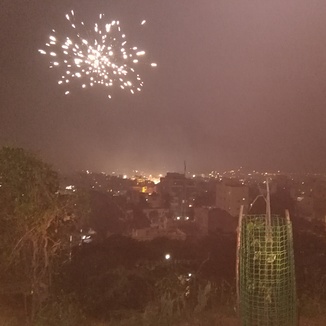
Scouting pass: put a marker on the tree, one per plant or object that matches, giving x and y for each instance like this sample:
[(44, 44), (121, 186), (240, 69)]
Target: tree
[(105, 214), (30, 215)]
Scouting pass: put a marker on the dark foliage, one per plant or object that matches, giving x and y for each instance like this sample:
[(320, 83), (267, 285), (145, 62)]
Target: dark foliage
[(123, 274)]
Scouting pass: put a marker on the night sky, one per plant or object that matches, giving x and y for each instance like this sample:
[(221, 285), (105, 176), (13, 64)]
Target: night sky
[(238, 83)]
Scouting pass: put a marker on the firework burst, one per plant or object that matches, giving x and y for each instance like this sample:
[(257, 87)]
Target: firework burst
[(93, 57)]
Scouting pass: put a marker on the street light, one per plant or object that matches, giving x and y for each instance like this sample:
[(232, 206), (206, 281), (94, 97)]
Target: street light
[(167, 256)]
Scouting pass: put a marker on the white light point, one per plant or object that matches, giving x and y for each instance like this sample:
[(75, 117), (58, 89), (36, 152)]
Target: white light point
[(78, 61)]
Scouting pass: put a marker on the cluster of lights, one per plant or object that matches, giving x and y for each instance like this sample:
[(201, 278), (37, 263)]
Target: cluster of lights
[(183, 218), (97, 57)]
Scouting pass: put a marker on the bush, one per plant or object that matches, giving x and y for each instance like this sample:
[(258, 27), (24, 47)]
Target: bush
[(63, 311)]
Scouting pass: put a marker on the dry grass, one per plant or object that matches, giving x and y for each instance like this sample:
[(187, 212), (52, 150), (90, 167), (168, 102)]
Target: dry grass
[(11, 318), (15, 317), (220, 320), (313, 321)]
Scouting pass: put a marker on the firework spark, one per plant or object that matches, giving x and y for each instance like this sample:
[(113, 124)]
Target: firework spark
[(96, 57)]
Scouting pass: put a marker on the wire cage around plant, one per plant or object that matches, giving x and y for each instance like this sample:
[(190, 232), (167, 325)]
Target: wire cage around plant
[(267, 290)]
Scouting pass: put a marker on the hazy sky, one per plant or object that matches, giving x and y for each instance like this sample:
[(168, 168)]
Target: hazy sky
[(238, 83)]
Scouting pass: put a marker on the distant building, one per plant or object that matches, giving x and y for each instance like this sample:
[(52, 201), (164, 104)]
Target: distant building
[(154, 200), (179, 189), (210, 220), (147, 234), (304, 207), (279, 182), (157, 217), (160, 225), (201, 219), (319, 198), (221, 221), (177, 185), (134, 196), (230, 195), (310, 199)]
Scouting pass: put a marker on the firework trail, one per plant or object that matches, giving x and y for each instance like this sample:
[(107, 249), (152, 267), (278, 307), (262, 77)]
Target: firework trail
[(97, 57)]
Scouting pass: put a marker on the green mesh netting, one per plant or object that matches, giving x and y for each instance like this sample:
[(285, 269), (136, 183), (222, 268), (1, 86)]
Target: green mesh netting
[(266, 272)]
